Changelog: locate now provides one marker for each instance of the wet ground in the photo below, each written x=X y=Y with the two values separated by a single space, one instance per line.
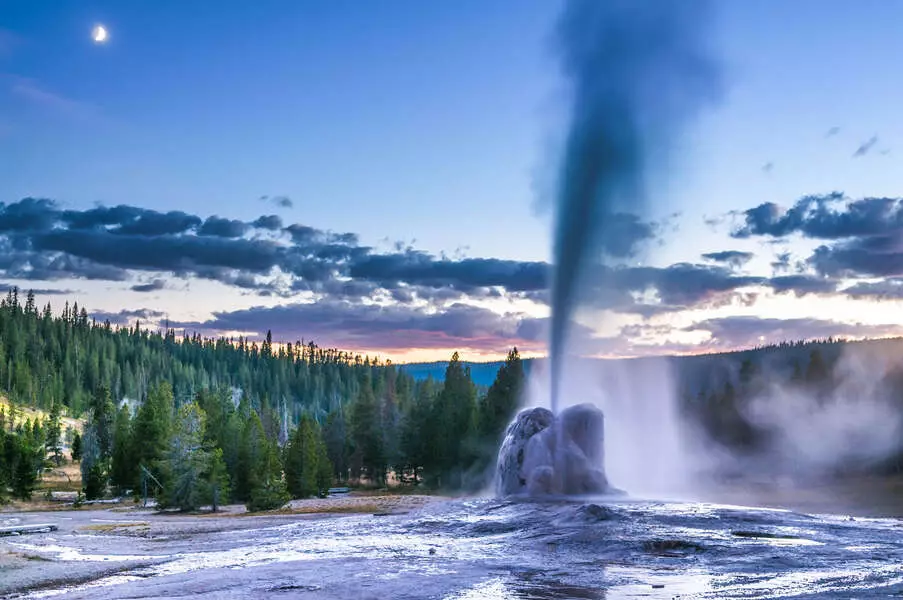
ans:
x=460 y=549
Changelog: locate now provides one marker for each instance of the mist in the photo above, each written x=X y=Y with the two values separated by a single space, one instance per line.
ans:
x=850 y=424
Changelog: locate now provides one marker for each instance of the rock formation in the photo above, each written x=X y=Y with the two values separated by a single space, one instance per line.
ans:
x=545 y=455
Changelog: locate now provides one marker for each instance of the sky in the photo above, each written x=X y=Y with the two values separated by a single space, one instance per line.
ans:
x=374 y=176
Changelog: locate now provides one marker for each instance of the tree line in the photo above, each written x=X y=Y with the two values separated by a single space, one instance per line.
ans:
x=201 y=422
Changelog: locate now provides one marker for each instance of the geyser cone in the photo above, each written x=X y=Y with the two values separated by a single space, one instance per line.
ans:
x=547 y=455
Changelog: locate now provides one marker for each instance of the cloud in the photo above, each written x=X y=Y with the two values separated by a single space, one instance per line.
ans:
x=734 y=258
x=227 y=228
x=888 y=289
x=280 y=201
x=747 y=331
x=348 y=324
x=781 y=263
x=270 y=222
x=828 y=216
x=153 y=286
x=866 y=147
x=128 y=317
x=6 y=287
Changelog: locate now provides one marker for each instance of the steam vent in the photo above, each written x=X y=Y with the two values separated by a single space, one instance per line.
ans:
x=545 y=455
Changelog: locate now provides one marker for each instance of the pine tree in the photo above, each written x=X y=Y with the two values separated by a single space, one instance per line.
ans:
x=418 y=431
x=217 y=479
x=500 y=404
x=308 y=471
x=53 y=443
x=151 y=430
x=454 y=408
x=366 y=435
x=123 y=468
x=188 y=465
x=268 y=490
x=336 y=439
x=76 y=450
x=97 y=444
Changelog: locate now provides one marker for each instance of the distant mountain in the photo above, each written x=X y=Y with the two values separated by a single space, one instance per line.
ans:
x=692 y=373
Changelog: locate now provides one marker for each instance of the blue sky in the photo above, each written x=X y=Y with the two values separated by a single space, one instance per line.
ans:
x=430 y=124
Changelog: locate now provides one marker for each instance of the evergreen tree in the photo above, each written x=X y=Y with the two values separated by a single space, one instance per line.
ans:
x=308 y=471
x=97 y=444
x=123 y=468
x=366 y=434
x=454 y=409
x=217 y=479
x=501 y=401
x=53 y=444
x=193 y=475
x=151 y=431
x=76 y=450
x=418 y=430
x=268 y=489
x=336 y=439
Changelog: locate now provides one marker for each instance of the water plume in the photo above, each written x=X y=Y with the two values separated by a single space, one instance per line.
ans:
x=637 y=74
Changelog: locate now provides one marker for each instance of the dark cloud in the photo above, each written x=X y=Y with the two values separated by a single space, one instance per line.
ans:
x=734 y=258
x=865 y=235
x=423 y=269
x=152 y=286
x=781 y=263
x=152 y=223
x=162 y=252
x=802 y=284
x=29 y=214
x=40 y=241
x=866 y=147
x=746 y=331
x=859 y=258
x=227 y=228
x=271 y=222
x=888 y=289
x=819 y=217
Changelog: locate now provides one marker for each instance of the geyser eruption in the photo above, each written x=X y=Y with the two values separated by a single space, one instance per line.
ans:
x=637 y=73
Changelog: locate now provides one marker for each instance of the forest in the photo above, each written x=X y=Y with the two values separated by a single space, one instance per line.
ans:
x=196 y=422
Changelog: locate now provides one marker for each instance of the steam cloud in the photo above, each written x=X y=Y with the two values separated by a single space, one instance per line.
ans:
x=854 y=423
x=638 y=73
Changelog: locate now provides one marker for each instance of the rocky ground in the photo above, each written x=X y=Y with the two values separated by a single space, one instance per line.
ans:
x=25 y=563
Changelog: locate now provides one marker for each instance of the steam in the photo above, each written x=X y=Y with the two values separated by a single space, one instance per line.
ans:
x=853 y=424
x=638 y=73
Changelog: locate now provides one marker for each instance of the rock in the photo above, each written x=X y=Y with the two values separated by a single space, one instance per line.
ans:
x=543 y=455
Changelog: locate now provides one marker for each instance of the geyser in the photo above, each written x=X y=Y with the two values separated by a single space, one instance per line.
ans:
x=637 y=73
x=547 y=455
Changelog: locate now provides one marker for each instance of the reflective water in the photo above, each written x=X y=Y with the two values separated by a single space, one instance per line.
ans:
x=504 y=550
